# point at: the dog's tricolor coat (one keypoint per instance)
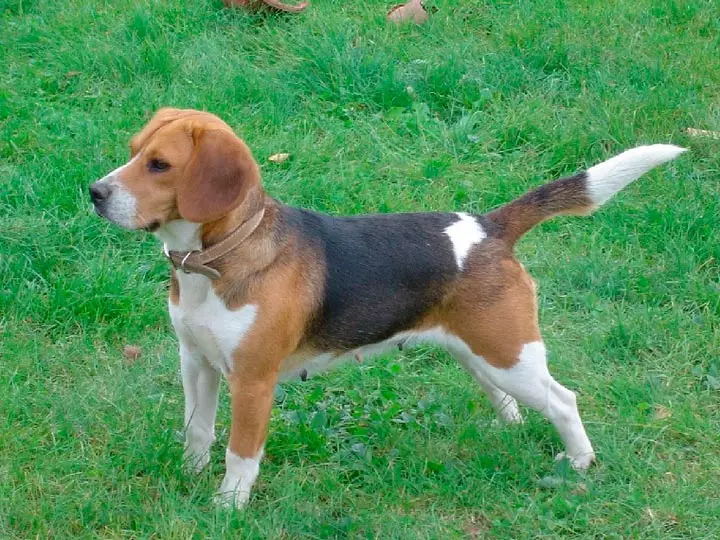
(298, 291)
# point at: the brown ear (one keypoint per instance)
(218, 176)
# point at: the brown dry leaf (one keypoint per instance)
(477, 526)
(279, 158)
(131, 353)
(411, 11)
(661, 413)
(703, 133)
(672, 520)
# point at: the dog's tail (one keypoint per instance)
(580, 194)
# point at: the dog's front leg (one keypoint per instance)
(251, 394)
(200, 385)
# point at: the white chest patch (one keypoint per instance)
(464, 234)
(205, 325)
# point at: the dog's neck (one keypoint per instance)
(182, 235)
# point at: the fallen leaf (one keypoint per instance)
(411, 11)
(703, 133)
(279, 158)
(131, 353)
(661, 413)
(477, 526)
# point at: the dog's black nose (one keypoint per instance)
(99, 191)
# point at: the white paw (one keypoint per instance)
(195, 462)
(509, 413)
(501, 421)
(197, 448)
(240, 476)
(230, 495)
(579, 463)
(508, 416)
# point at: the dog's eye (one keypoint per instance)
(158, 165)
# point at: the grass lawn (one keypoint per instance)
(466, 112)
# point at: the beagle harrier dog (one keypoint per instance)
(260, 291)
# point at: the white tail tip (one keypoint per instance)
(607, 178)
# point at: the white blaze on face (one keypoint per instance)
(121, 206)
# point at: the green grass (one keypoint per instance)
(464, 113)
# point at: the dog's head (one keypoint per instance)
(184, 164)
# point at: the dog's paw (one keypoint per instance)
(579, 463)
(510, 415)
(231, 496)
(194, 463)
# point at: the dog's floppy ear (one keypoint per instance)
(219, 175)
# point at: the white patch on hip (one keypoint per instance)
(240, 476)
(464, 234)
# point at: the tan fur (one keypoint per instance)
(256, 363)
(174, 291)
(496, 328)
(171, 136)
(567, 196)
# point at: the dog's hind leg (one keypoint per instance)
(504, 404)
(530, 382)
(500, 342)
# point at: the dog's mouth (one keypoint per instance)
(101, 211)
(152, 226)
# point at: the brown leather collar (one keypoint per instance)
(197, 261)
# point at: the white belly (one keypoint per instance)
(326, 360)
